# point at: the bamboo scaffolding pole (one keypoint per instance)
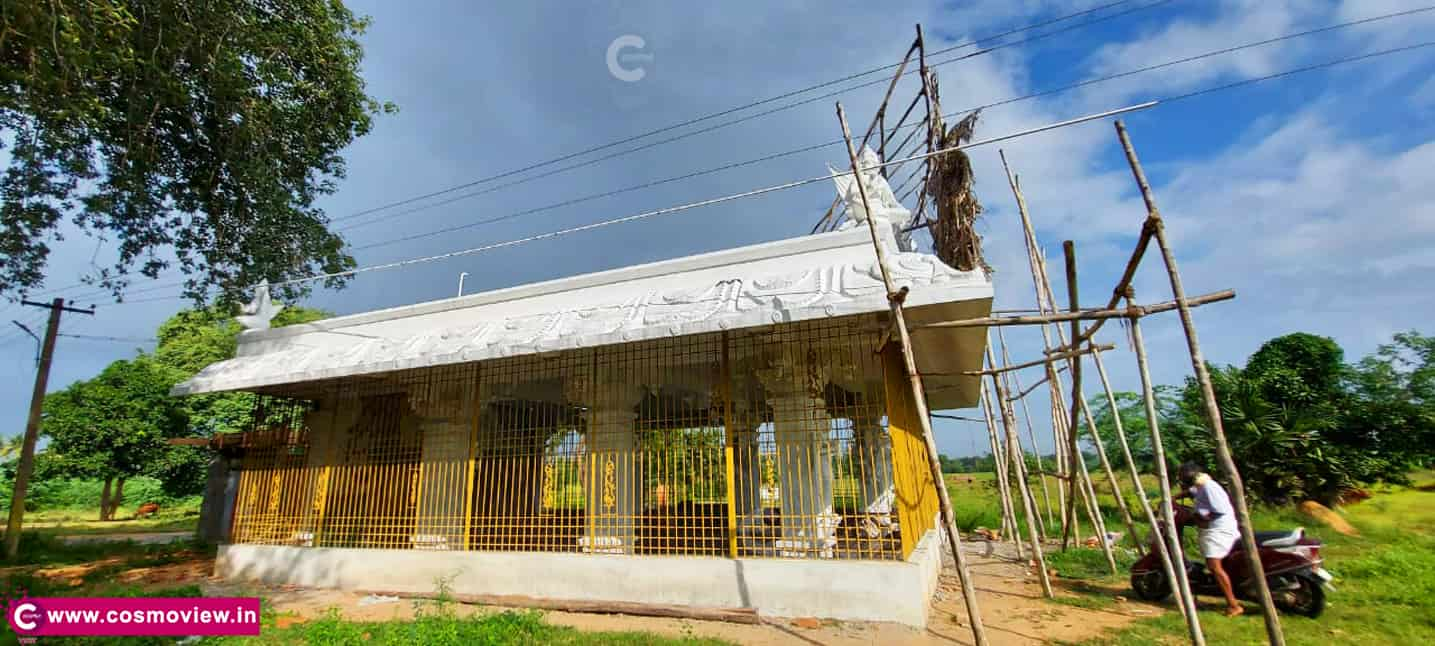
(1010, 528)
(1031, 435)
(1073, 451)
(1093, 509)
(1135, 474)
(954, 538)
(1130, 311)
(934, 114)
(1023, 392)
(1180, 584)
(1040, 469)
(1078, 398)
(1010, 457)
(1028, 502)
(1111, 479)
(1063, 485)
(1071, 422)
(1208, 393)
(955, 417)
(1034, 363)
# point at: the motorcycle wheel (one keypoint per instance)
(1150, 586)
(1306, 598)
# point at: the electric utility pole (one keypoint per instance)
(32, 425)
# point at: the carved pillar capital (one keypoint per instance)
(786, 376)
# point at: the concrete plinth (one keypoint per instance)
(895, 591)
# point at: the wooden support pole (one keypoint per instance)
(1138, 311)
(1180, 584)
(1135, 473)
(1026, 391)
(1208, 394)
(1008, 466)
(954, 538)
(1073, 452)
(1038, 362)
(1040, 469)
(1044, 306)
(1031, 435)
(1093, 508)
(1009, 525)
(1111, 477)
(1028, 502)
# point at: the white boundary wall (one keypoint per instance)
(836, 589)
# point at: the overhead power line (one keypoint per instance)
(707, 202)
(714, 115)
(722, 113)
(834, 142)
(94, 337)
(1188, 95)
(693, 133)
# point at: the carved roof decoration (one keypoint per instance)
(813, 277)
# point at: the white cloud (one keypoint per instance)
(1235, 22)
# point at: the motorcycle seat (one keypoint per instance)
(1280, 539)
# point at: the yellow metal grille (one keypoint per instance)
(769, 443)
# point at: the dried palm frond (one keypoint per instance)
(954, 234)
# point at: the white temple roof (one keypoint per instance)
(811, 277)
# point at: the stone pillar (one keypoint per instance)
(445, 418)
(804, 456)
(875, 487)
(213, 525)
(329, 427)
(611, 464)
(747, 472)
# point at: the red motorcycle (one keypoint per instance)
(1291, 561)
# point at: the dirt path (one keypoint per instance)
(1012, 609)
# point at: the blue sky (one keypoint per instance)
(1310, 196)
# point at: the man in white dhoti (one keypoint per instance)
(1216, 520)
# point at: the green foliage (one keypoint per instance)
(189, 341)
(195, 338)
(114, 425)
(1132, 410)
(1302, 424)
(205, 130)
(80, 493)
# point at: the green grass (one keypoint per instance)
(45, 549)
(1385, 581)
(1385, 578)
(436, 622)
(441, 627)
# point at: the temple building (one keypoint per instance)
(731, 429)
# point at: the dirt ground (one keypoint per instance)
(1013, 611)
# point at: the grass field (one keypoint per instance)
(1385, 580)
(436, 624)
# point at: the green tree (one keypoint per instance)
(202, 130)
(114, 426)
(1392, 402)
(1132, 409)
(1302, 424)
(189, 341)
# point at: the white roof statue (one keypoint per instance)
(806, 278)
(257, 314)
(887, 211)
